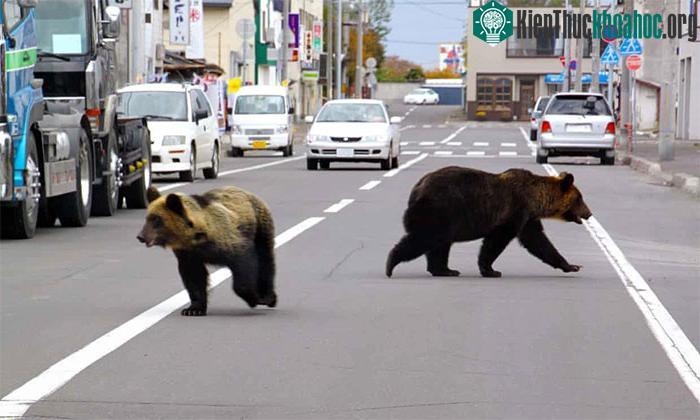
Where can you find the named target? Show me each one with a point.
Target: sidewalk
(682, 172)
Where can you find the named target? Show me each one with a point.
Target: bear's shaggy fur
(226, 226)
(456, 204)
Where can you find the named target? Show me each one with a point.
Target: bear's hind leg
(265, 247)
(437, 261)
(492, 247)
(410, 247)
(194, 276)
(245, 276)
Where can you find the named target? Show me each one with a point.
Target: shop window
(494, 93)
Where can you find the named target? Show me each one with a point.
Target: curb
(685, 182)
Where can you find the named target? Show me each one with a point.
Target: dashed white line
(427, 126)
(406, 127)
(454, 143)
(506, 153)
(443, 152)
(371, 184)
(507, 144)
(335, 208)
(404, 143)
(263, 165)
(405, 165)
(427, 143)
(17, 402)
(442, 126)
(410, 152)
(476, 153)
(481, 143)
(682, 353)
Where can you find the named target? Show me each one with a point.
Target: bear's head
(569, 206)
(171, 221)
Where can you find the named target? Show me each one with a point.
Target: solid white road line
(476, 153)
(532, 145)
(410, 152)
(172, 186)
(507, 144)
(427, 143)
(371, 184)
(17, 402)
(481, 143)
(427, 126)
(453, 135)
(454, 143)
(507, 153)
(405, 165)
(683, 355)
(443, 152)
(335, 208)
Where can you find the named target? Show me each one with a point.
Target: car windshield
(260, 104)
(578, 105)
(61, 26)
(542, 104)
(420, 92)
(153, 105)
(352, 112)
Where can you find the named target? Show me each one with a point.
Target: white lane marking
(486, 156)
(172, 186)
(427, 126)
(442, 126)
(476, 153)
(454, 143)
(507, 144)
(404, 143)
(17, 402)
(371, 184)
(481, 143)
(443, 152)
(453, 135)
(405, 165)
(683, 355)
(412, 109)
(335, 208)
(532, 145)
(427, 143)
(410, 152)
(263, 165)
(507, 153)
(406, 127)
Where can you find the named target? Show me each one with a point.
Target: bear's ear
(152, 194)
(567, 180)
(174, 204)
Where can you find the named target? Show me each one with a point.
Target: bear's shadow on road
(505, 278)
(239, 312)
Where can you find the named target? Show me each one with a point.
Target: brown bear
(456, 204)
(225, 226)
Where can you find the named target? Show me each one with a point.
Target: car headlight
(312, 138)
(237, 129)
(382, 138)
(173, 140)
(281, 129)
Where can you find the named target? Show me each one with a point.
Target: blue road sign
(610, 56)
(631, 46)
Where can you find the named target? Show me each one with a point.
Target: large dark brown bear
(226, 226)
(455, 204)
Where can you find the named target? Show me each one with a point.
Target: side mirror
(395, 120)
(291, 110)
(111, 27)
(28, 4)
(309, 119)
(200, 115)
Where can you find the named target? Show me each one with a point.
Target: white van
(262, 120)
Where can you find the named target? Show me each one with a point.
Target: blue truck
(65, 152)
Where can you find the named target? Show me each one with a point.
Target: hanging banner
(318, 37)
(179, 22)
(196, 47)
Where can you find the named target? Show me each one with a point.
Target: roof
(262, 90)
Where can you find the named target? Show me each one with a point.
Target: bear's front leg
(532, 237)
(195, 278)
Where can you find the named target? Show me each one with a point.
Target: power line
(429, 10)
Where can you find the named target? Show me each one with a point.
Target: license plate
(578, 128)
(259, 144)
(345, 153)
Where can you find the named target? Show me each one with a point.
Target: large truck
(70, 154)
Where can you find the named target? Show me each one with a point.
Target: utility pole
(595, 57)
(579, 50)
(625, 82)
(667, 123)
(358, 58)
(338, 50)
(285, 39)
(567, 54)
(329, 50)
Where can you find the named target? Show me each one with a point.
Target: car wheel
(605, 160)
(533, 135)
(386, 164)
(213, 172)
(324, 164)
(395, 162)
(311, 164)
(541, 159)
(189, 175)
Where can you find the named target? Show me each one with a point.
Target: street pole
(625, 82)
(285, 39)
(595, 57)
(329, 51)
(358, 57)
(579, 51)
(668, 95)
(338, 49)
(567, 54)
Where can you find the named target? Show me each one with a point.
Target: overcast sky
(418, 26)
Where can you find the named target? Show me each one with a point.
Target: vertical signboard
(196, 47)
(294, 27)
(179, 22)
(318, 38)
(308, 47)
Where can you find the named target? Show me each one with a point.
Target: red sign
(634, 62)
(562, 59)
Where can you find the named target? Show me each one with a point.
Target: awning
(558, 79)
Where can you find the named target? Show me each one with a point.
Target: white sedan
(353, 130)
(422, 96)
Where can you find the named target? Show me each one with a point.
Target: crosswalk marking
(410, 152)
(403, 143)
(481, 143)
(454, 143)
(427, 143)
(502, 153)
(476, 153)
(427, 126)
(507, 144)
(444, 152)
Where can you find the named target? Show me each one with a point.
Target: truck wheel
(47, 217)
(105, 196)
(188, 176)
(213, 172)
(20, 220)
(73, 209)
(135, 194)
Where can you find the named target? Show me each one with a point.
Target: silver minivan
(577, 124)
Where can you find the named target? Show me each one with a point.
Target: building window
(544, 44)
(494, 93)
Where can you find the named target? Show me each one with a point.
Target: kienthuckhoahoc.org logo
(493, 23)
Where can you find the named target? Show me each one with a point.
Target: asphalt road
(347, 342)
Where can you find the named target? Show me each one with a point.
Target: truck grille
(62, 84)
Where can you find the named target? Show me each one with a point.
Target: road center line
(405, 165)
(530, 144)
(371, 184)
(683, 355)
(17, 402)
(335, 208)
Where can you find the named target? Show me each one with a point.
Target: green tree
(415, 74)
(379, 12)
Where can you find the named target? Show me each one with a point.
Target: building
(505, 79)
(140, 49)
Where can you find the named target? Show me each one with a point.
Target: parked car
(353, 130)
(422, 96)
(262, 120)
(577, 124)
(184, 129)
(536, 115)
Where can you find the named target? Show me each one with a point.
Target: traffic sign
(572, 64)
(634, 62)
(610, 56)
(562, 60)
(630, 46)
(609, 34)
